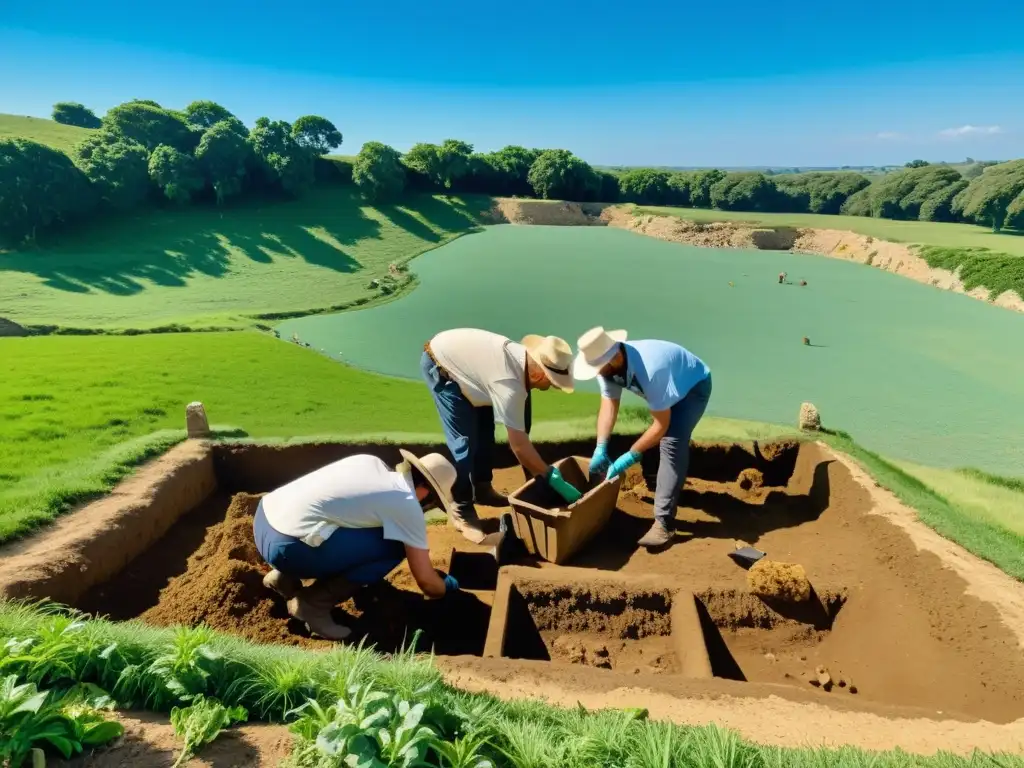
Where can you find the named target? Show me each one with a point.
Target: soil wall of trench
(897, 258)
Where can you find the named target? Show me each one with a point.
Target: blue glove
(450, 584)
(600, 461)
(621, 464)
(562, 487)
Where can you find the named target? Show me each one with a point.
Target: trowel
(746, 555)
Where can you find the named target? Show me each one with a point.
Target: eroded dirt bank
(897, 258)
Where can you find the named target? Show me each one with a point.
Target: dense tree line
(142, 152)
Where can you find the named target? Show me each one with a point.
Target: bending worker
(479, 378)
(350, 524)
(676, 385)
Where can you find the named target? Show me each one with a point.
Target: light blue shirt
(661, 372)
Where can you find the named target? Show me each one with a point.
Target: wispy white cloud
(970, 130)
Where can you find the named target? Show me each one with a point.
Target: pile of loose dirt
(222, 585)
(779, 581)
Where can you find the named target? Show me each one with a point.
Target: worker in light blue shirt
(676, 385)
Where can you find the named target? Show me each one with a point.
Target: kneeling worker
(676, 385)
(478, 378)
(349, 524)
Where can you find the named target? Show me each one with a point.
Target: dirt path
(149, 741)
(837, 244)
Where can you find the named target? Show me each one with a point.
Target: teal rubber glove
(600, 462)
(450, 584)
(621, 464)
(562, 487)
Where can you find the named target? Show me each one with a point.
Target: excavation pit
(173, 545)
(636, 625)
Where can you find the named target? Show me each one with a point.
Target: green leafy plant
(201, 722)
(67, 723)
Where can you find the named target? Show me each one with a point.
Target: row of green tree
(142, 151)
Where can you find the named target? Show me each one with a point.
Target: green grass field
(56, 135)
(204, 266)
(915, 232)
(76, 412)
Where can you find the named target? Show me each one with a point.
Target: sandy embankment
(838, 244)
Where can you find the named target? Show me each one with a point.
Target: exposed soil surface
(149, 741)
(884, 614)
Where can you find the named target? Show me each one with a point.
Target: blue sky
(669, 83)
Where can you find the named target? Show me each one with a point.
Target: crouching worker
(347, 525)
(478, 378)
(676, 385)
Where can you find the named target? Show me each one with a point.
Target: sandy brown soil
(911, 632)
(149, 741)
(838, 244)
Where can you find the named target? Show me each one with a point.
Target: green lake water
(911, 371)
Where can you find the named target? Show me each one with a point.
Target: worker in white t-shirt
(349, 524)
(477, 379)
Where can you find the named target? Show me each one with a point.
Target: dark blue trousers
(362, 555)
(468, 431)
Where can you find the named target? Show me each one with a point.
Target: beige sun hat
(555, 356)
(597, 346)
(439, 473)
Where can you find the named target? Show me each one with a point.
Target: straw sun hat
(597, 347)
(439, 473)
(555, 356)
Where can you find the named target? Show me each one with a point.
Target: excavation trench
(889, 624)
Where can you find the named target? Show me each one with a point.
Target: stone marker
(810, 419)
(196, 423)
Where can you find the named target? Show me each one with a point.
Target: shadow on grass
(169, 247)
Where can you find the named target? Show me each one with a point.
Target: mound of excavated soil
(779, 581)
(222, 585)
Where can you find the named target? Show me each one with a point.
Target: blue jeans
(468, 431)
(362, 555)
(674, 459)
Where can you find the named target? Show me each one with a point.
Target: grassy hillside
(56, 135)
(917, 232)
(210, 266)
(78, 411)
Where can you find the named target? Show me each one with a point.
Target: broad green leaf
(31, 704)
(101, 733)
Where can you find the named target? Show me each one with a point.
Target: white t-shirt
(356, 492)
(489, 369)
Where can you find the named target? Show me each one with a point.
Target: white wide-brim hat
(597, 346)
(554, 355)
(439, 473)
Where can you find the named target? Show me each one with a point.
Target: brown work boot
(286, 586)
(485, 494)
(312, 605)
(658, 536)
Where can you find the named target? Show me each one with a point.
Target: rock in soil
(780, 581)
(750, 479)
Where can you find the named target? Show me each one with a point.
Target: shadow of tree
(168, 248)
